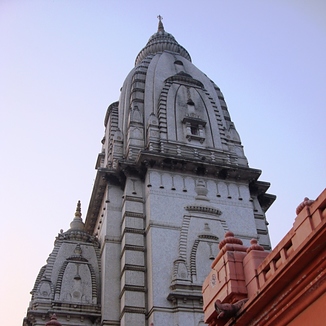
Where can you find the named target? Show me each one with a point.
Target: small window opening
(194, 130)
(178, 62)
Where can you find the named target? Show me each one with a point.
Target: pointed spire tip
(160, 24)
(78, 209)
(77, 222)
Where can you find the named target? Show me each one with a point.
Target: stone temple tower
(171, 180)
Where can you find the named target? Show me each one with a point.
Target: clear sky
(62, 62)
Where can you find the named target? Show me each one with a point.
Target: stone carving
(203, 209)
(74, 286)
(201, 190)
(135, 115)
(136, 132)
(227, 310)
(180, 270)
(45, 289)
(76, 280)
(203, 251)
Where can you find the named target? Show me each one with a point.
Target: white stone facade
(171, 179)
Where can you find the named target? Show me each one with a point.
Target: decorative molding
(76, 235)
(208, 237)
(132, 288)
(132, 230)
(203, 209)
(133, 214)
(132, 310)
(111, 239)
(130, 267)
(154, 224)
(58, 285)
(129, 247)
(183, 237)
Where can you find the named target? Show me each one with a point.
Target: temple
(171, 179)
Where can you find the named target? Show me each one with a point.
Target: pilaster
(132, 295)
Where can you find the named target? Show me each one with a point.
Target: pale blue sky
(63, 62)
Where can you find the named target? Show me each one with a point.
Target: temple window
(194, 130)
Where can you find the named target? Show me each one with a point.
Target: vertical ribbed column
(132, 296)
(109, 228)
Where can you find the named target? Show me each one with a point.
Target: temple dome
(159, 42)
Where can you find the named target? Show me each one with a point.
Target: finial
(306, 202)
(229, 238)
(78, 209)
(77, 222)
(255, 246)
(160, 24)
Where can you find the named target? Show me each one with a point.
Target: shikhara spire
(171, 172)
